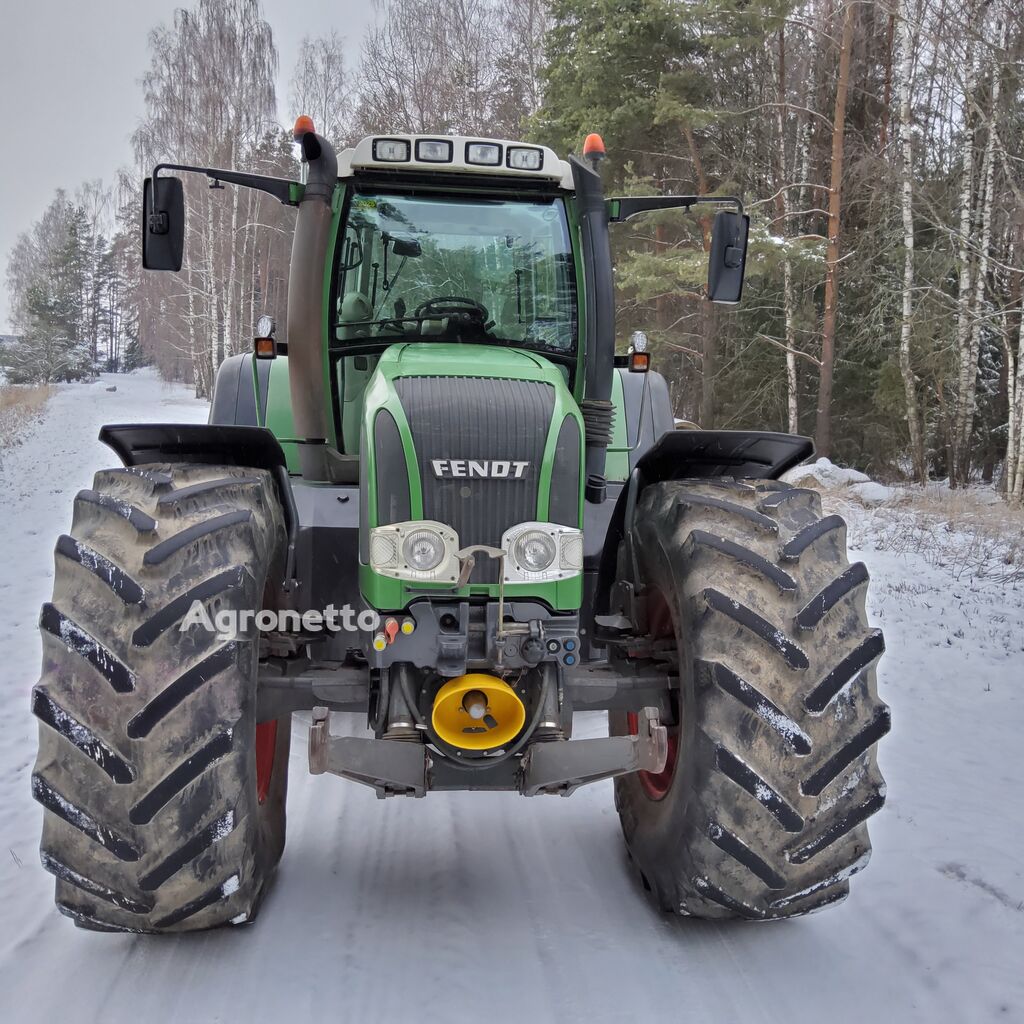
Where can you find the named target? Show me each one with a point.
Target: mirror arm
(623, 208)
(287, 192)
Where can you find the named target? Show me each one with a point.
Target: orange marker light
(264, 348)
(593, 145)
(639, 362)
(303, 126)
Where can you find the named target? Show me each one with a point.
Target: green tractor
(442, 501)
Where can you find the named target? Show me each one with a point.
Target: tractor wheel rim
(266, 743)
(657, 784)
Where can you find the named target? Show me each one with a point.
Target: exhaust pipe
(305, 301)
(596, 407)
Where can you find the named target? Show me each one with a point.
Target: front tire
(164, 798)
(772, 771)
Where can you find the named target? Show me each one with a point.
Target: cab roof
(460, 154)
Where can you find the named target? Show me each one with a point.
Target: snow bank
(873, 493)
(826, 475)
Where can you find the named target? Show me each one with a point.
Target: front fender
(696, 454)
(208, 443)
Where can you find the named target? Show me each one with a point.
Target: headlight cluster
(483, 153)
(542, 551)
(425, 551)
(428, 552)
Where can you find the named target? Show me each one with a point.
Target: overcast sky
(70, 98)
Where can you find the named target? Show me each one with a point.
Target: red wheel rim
(657, 784)
(266, 743)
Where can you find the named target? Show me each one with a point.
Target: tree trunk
(792, 377)
(883, 134)
(709, 364)
(708, 313)
(1014, 472)
(823, 433)
(214, 307)
(781, 228)
(905, 72)
(987, 181)
(1015, 450)
(230, 346)
(966, 373)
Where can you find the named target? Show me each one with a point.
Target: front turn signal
(264, 348)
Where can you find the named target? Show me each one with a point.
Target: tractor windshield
(470, 269)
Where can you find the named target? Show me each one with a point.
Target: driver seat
(354, 307)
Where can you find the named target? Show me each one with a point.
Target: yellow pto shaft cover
(477, 712)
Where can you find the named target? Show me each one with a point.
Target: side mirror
(163, 223)
(405, 246)
(728, 256)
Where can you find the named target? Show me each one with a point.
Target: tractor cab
(433, 246)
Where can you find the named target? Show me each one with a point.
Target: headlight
(423, 550)
(483, 153)
(541, 552)
(534, 550)
(570, 551)
(391, 150)
(434, 151)
(384, 551)
(524, 158)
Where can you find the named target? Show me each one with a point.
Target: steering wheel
(456, 306)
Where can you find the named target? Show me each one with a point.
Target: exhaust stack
(305, 300)
(598, 411)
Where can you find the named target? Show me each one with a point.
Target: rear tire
(773, 768)
(164, 802)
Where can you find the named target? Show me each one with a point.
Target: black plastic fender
(209, 443)
(138, 444)
(696, 454)
(239, 395)
(743, 454)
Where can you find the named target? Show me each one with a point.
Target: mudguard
(240, 391)
(137, 444)
(211, 444)
(700, 454)
(743, 454)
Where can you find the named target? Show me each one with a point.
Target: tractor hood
(477, 438)
(431, 358)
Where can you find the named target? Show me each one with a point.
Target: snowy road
(473, 907)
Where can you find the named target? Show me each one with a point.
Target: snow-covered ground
(483, 907)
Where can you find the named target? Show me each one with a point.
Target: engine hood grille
(483, 420)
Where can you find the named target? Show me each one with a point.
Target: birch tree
(904, 69)
(781, 228)
(210, 98)
(323, 87)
